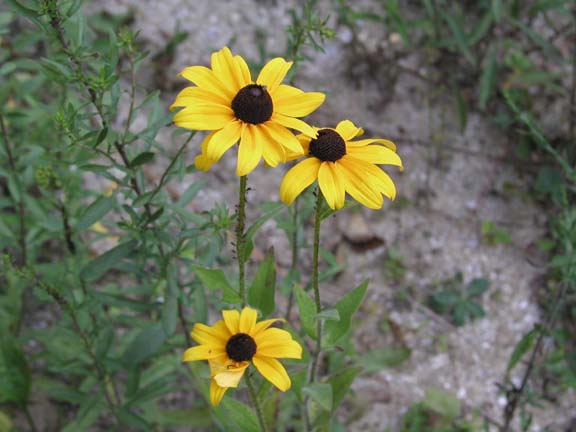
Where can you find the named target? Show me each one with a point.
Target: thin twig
(256, 403)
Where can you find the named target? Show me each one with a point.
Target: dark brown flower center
(328, 146)
(253, 104)
(241, 347)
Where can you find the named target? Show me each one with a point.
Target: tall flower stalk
(240, 244)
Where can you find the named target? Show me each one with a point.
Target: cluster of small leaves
(458, 301)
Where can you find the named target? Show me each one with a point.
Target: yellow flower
(343, 166)
(226, 101)
(232, 343)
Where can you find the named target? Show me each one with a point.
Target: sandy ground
(452, 182)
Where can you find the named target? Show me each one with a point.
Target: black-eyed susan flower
(257, 113)
(232, 343)
(343, 166)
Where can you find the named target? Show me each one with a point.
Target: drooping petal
(357, 186)
(202, 352)
(294, 123)
(204, 117)
(224, 139)
(245, 70)
(230, 377)
(216, 392)
(375, 154)
(273, 371)
(216, 335)
(331, 185)
(273, 73)
(282, 136)
(365, 142)
(202, 162)
(304, 141)
(198, 95)
(204, 77)
(378, 180)
(272, 150)
(298, 178)
(294, 102)
(348, 130)
(249, 151)
(248, 318)
(232, 320)
(227, 70)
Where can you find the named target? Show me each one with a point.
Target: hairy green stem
(294, 264)
(317, 221)
(240, 245)
(256, 403)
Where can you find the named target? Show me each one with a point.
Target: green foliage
(459, 302)
(493, 234)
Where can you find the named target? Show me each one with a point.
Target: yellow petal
(227, 70)
(298, 178)
(294, 102)
(198, 95)
(272, 150)
(273, 73)
(348, 130)
(280, 349)
(203, 163)
(375, 154)
(216, 335)
(273, 371)
(204, 77)
(364, 142)
(331, 185)
(216, 393)
(232, 319)
(204, 117)
(202, 352)
(275, 342)
(249, 151)
(244, 70)
(294, 123)
(379, 180)
(263, 325)
(282, 136)
(248, 318)
(304, 141)
(223, 140)
(230, 377)
(357, 185)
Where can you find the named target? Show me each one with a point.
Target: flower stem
(240, 249)
(317, 221)
(294, 265)
(256, 403)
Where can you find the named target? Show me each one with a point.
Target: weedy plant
(127, 270)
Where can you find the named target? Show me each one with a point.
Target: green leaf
(101, 264)
(346, 307)
(215, 279)
(170, 314)
(14, 372)
(328, 315)
(477, 287)
(95, 211)
(261, 292)
(462, 108)
(522, 347)
(145, 345)
(129, 418)
(443, 403)
(459, 35)
(488, 79)
(380, 358)
(497, 10)
(101, 136)
(341, 382)
(307, 310)
(141, 159)
(237, 416)
(320, 393)
(253, 229)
